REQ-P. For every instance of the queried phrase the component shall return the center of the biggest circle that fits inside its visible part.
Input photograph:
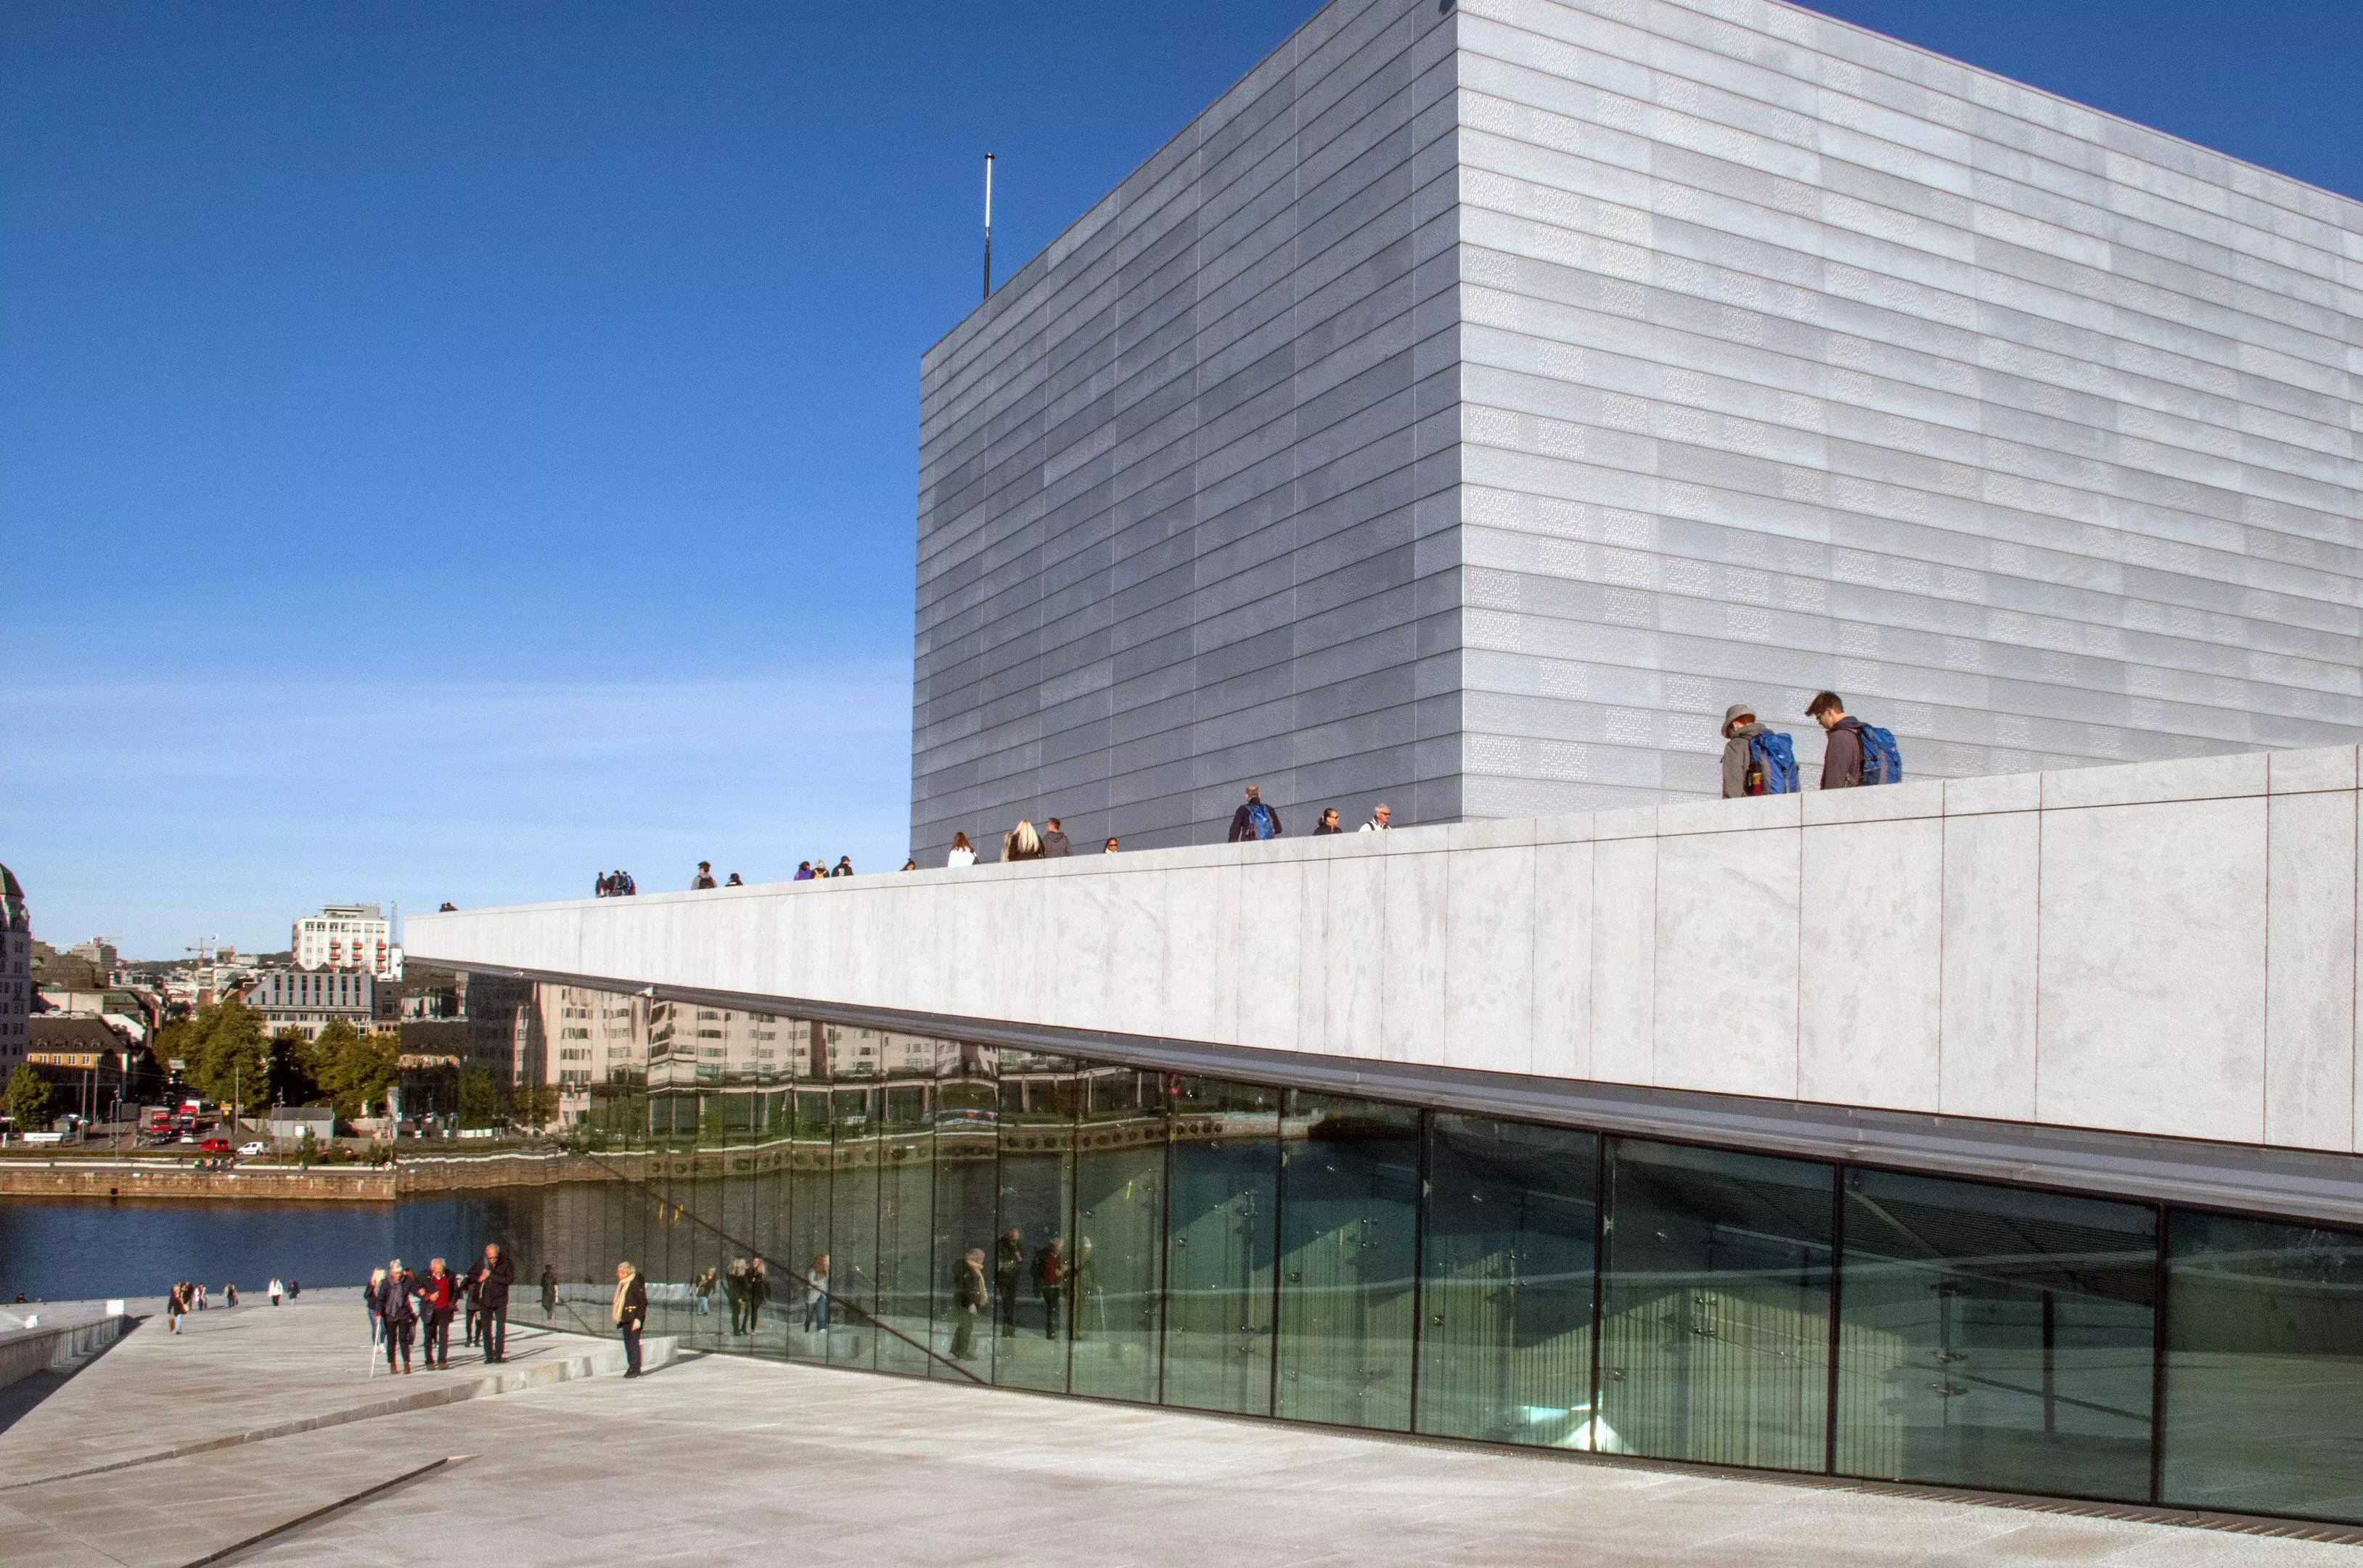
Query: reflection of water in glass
(68, 1249)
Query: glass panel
(1716, 1328)
(1995, 1337)
(906, 1201)
(841, 1284)
(1033, 1270)
(968, 1152)
(1220, 1249)
(1119, 1233)
(1506, 1350)
(781, 1294)
(1350, 1222)
(2264, 1367)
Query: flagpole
(988, 226)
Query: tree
(227, 1056)
(480, 1097)
(354, 1069)
(29, 1100)
(535, 1104)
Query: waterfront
(75, 1248)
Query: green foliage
(227, 1056)
(480, 1097)
(29, 1100)
(535, 1104)
(291, 1079)
(307, 1147)
(355, 1070)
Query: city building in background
(16, 968)
(347, 937)
(99, 953)
(308, 1001)
(1476, 400)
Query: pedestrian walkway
(722, 1458)
(170, 1449)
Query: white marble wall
(2161, 947)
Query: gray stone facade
(1476, 400)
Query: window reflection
(1349, 1219)
(968, 1151)
(1220, 1246)
(1505, 1349)
(1032, 1252)
(2264, 1367)
(1715, 1321)
(1996, 1337)
(1119, 1251)
(859, 1196)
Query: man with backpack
(1756, 760)
(1858, 753)
(1255, 819)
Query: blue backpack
(1260, 820)
(1774, 757)
(1883, 763)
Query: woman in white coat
(963, 851)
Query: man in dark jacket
(1842, 762)
(1050, 1283)
(548, 1291)
(1739, 727)
(1254, 820)
(395, 1315)
(1054, 842)
(1008, 1273)
(631, 1313)
(969, 1296)
(494, 1277)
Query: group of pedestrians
(1759, 760)
(1066, 1283)
(406, 1307)
(190, 1296)
(614, 885)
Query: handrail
(738, 1245)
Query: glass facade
(945, 1209)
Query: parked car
(250, 1150)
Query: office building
(347, 937)
(16, 968)
(308, 1001)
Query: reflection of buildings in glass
(1232, 1246)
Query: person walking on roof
(704, 877)
(1022, 843)
(963, 853)
(1254, 820)
(1381, 815)
(1054, 842)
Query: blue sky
(446, 450)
